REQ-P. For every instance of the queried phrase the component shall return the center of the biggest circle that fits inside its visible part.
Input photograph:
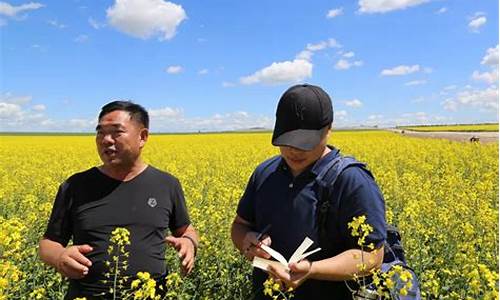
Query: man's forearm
(50, 252)
(238, 232)
(344, 265)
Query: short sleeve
(361, 196)
(59, 226)
(246, 206)
(179, 216)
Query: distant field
(465, 127)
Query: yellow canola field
(465, 127)
(442, 195)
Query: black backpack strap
(325, 181)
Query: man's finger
(84, 248)
(72, 265)
(183, 252)
(259, 252)
(172, 240)
(80, 258)
(280, 273)
(187, 260)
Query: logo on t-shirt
(152, 202)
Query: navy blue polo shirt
(288, 204)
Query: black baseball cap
(303, 111)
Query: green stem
(115, 276)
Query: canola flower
(275, 291)
(442, 195)
(386, 285)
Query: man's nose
(108, 139)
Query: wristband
(193, 242)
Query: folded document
(297, 256)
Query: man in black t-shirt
(122, 192)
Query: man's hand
(72, 262)
(298, 273)
(185, 248)
(251, 246)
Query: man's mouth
(296, 160)
(110, 152)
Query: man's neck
(124, 173)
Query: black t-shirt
(90, 205)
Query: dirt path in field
(484, 137)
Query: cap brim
(303, 139)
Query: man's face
(119, 139)
(299, 160)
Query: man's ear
(144, 134)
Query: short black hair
(137, 112)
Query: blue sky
(222, 65)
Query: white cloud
(12, 11)
(174, 120)
(476, 23)
(354, 103)
(81, 124)
(203, 72)
(290, 71)
(330, 43)
(332, 13)
(9, 110)
(348, 54)
(308, 53)
(280, 73)
(400, 70)
(38, 107)
(95, 24)
(489, 77)
(227, 84)
(413, 118)
(10, 98)
(383, 6)
(56, 24)
(82, 38)
(491, 57)
(418, 100)
(340, 115)
(486, 100)
(442, 10)
(174, 69)
(375, 117)
(305, 55)
(165, 113)
(358, 63)
(415, 82)
(146, 18)
(344, 64)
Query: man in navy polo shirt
(284, 204)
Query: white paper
(297, 256)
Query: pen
(264, 231)
(259, 238)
